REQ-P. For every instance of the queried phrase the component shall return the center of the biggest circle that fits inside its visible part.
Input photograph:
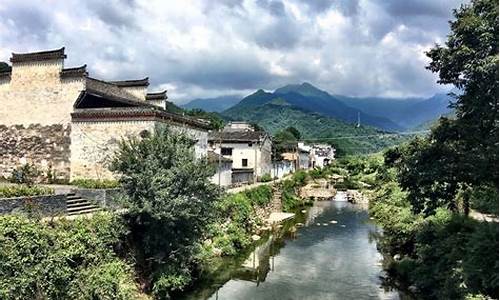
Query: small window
(226, 151)
(250, 144)
(244, 162)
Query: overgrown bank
(443, 254)
(176, 223)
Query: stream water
(332, 256)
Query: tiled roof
(130, 83)
(142, 113)
(237, 136)
(214, 157)
(38, 56)
(6, 74)
(74, 72)
(157, 96)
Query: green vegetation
(236, 222)
(276, 117)
(170, 204)
(265, 178)
(214, 118)
(290, 190)
(19, 190)
(95, 183)
(424, 190)
(64, 259)
(25, 174)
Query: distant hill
(277, 114)
(216, 104)
(307, 97)
(406, 112)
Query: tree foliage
(64, 259)
(170, 201)
(460, 152)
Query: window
(226, 151)
(244, 162)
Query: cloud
(202, 47)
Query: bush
(25, 174)
(485, 199)
(9, 191)
(95, 183)
(260, 195)
(63, 259)
(265, 178)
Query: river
(333, 256)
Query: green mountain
(308, 97)
(406, 112)
(279, 114)
(216, 104)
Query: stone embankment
(355, 196)
(319, 189)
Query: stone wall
(45, 206)
(95, 142)
(45, 146)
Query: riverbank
(325, 252)
(443, 255)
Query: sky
(208, 48)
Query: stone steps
(76, 205)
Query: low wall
(102, 197)
(45, 206)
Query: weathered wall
(35, 94)
(225, 175)
(43, 145)
(50, 205)
(94, 144)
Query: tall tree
(170, 201)
(462, 152)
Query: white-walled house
(249, 150)
(223, 165)
(322, 155)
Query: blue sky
(206, 48)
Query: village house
(322, 155)
(223, 166)
(249, 150)
(66, 122)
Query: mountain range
(392, 114)
(216, 104)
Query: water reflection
(332, 257)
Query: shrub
(8, 191)
(95, 183)
(25, 174)
(265, 178)
(260, 195)
(485, 199)
(63, 259)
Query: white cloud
(205, 48)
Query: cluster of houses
(69, 124)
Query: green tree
(4, 67)
(460, 152)
(170, 201)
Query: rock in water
(333, 222)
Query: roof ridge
(131, 82)
(38, 55)
(75, 71)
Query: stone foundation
(45, 146)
